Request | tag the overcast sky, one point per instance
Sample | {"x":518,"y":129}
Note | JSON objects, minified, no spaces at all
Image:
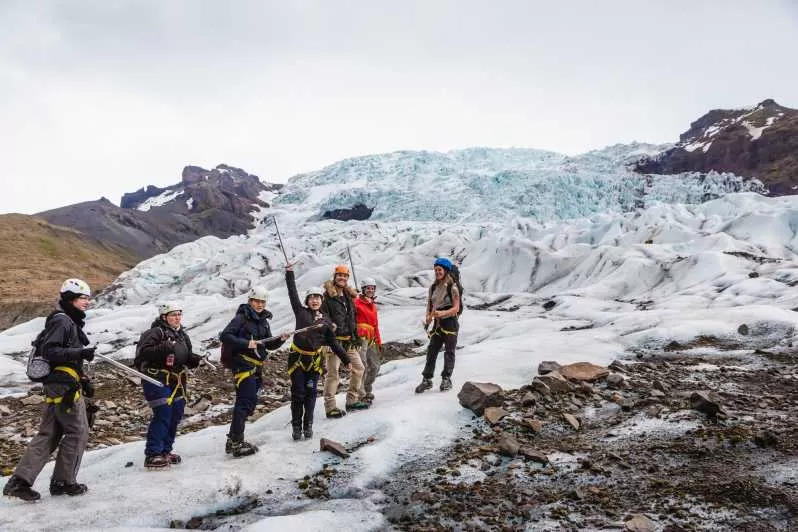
{"x":102,"y":97}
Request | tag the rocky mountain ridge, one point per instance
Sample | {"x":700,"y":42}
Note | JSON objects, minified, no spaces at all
{"x":759,"y":142}
{"x":153,"y":220}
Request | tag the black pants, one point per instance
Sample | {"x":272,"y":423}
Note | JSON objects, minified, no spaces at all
{"x":246,"y":400}
{"x":437,"y":340}
{"x":304,"y":385}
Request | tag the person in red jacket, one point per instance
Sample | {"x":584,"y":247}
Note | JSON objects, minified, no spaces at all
{"x":368,"y":330}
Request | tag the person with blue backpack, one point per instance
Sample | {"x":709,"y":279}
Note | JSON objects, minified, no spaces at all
{"x":64,"y":423}
{"x":244,"y":337}
{"x":444,"y":306}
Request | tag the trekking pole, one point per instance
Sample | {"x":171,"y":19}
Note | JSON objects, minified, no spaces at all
{"x":129,"y":369}
{"x":280,"y":238}
{"x":303,"y":329}
{"x":207,"y":362}
{"x":352,"y":264}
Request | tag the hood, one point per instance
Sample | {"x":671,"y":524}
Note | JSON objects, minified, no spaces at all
{"x":251,"y":315}
{"x":332,"y":291}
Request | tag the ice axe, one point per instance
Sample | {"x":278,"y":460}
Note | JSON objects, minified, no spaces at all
{"x":280,"y":239}
{"x":129,"y":369}
{"x":303,"y":329}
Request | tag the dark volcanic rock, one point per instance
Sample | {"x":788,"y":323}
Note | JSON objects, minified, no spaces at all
{"x":757,"y":143}
{"x":206,"y":202}
{"x":358,"y":212}
{"x":477,"y":396}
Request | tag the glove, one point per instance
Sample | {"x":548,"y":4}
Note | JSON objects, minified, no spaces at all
{"x":87,"y":353}
{"x":193,"y":361}
{"x":181,"y":350}
{"x":88,"y":388}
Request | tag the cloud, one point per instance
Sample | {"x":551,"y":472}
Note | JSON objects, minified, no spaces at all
{"x":100,"y":98}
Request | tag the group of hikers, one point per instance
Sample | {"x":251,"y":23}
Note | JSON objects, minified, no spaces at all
{"x":336,"y":326}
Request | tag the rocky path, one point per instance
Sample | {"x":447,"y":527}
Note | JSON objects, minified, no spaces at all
{"x":676,"y":442}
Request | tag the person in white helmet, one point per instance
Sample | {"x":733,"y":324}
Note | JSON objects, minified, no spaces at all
{"x":305,"y":358}
{"x":368,"y":330}
{"x":164,"y":352}
{"x":243,"y":337}
{"x":64,"y":423}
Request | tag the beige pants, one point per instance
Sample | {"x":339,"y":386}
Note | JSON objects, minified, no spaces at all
{"x":331,"y":380}
{"x":67,"y":432}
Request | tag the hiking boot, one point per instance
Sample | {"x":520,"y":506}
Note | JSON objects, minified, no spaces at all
{"x":336,"y":413}
{"x":173,"y":458}
{"x":16,"y":487}
{"x":357,"y":405}
{"x":368,"y":398}
{"x":296,"y":432}
{"x":242,"y":448}
{"x":157,"y":461}
{"x":426,"y":384}
{"x":307,"y":431}
{"x":446,"y":384}
{"x":59,"y":487}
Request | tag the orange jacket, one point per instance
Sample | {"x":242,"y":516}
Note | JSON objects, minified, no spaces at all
{"x":367,"y":323}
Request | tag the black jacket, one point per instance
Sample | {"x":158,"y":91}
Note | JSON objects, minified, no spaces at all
{"x":245,"y":326}
{"x":341,"y":309}
{"x":160,"y":341}
{"x":305,"y":317}
{"x":61,"y":343}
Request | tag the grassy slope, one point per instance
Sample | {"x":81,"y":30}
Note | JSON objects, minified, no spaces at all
{"x":36,"y":257}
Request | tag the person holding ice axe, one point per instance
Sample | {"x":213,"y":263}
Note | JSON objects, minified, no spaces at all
{"x":305,"y":358}
{"x":248,"y":337}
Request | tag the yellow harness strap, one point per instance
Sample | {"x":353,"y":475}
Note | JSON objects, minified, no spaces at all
{"x":178,"y":375}
{"x":253,"y":361}
{"x":72,"y":373}
{"x":440,"y":329}
{"x":313,"y":360}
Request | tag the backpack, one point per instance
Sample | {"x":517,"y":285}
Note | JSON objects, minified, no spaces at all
{"x":226,"y":358}
{"x":455,"y":273}
{"x":38,"y":367}
{"x":228,"y":354}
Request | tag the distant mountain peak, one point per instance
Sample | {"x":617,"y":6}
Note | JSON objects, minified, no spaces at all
{"x":754,"y":142}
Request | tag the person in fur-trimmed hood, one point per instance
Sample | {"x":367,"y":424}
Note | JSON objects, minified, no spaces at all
{"x":339,"y":305}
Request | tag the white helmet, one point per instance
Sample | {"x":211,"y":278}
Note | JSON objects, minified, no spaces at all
{"x":368,"y":281}
{"x":314,"y":291}
{"x":76,"y":286}
{"x":167,"y":307}
{"x":260,"y":293}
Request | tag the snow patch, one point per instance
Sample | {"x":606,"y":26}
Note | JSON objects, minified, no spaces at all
{"x":161,"y":199}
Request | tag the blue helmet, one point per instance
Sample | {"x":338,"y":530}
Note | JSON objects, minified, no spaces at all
{"x":444,"y":263}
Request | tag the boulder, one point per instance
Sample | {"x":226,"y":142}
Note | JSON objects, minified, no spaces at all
{"x":572,"y":420}
{"x":547,"y":366}
{"x":640,"y":523}
{"x":333,"y":447}
{"x":706,"y":402}
{"x":584,"y":371}
{"x":508,"y":445}
{"x":477,"y":396}
{"x":494,"y":414}
{"x":554,"y":381}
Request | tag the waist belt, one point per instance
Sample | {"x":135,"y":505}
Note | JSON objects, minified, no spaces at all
{"x":179,"y":377}
{"x":441,"y":330}
{"x":69,"y":397}
{"x":310,"y":362}
{"x":241,"y":375}
{"x":371,"y":337}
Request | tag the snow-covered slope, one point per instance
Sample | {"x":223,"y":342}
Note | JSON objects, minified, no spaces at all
{"x":640,"y":279}
{"x":482,"y":184}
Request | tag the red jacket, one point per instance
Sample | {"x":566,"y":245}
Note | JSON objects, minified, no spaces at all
{"x":366,"y":316}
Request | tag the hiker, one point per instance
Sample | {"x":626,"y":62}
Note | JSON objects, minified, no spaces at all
{"x":64,"y":424}
{"x":245,"y":335}
{"x":368,"y":330}
{"x":443,"y":306}
{"x":164,"y":352}
{"x":305,"y":357}
{"x":339,"y":305}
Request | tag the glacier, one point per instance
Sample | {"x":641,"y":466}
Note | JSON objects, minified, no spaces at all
{"x":660,"y":265}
